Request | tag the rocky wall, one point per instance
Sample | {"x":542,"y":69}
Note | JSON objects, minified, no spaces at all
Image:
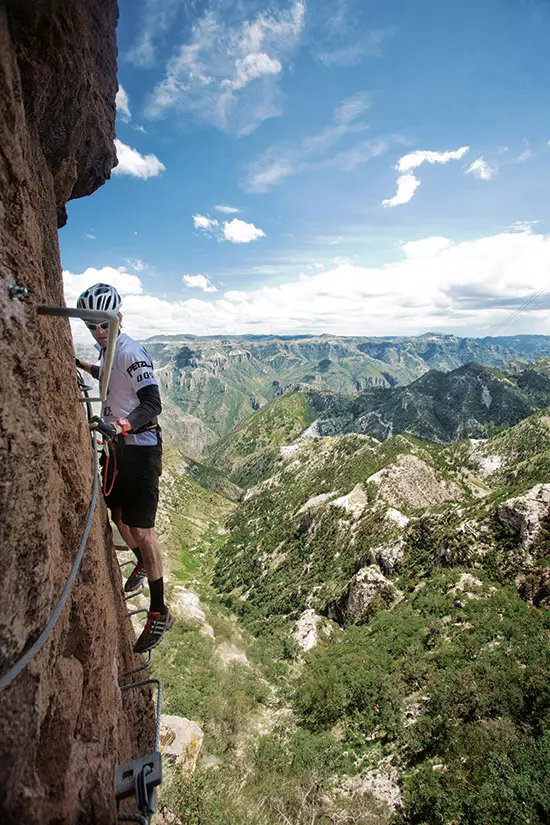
{"x":64,"y":725}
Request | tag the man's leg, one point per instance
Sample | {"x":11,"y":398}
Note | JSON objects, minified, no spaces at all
{"x":159,"y":619}
{"x":146,"y":540}
{"x":126,"y":533}
{"x":137,"y":576}
{"x":143,"y":466}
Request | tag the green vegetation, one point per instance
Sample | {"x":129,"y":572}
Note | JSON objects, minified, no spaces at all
{"x":472,"y":401}
{"x":446,"y":694}
{"x":187,"y":510}
{"x":474,"y":674}
{"x":251,"y":450}
{"x":283,"y":558}
{"x":199,"y":685}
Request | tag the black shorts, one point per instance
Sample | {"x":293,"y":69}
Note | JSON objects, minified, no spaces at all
{"x":136,"y":486}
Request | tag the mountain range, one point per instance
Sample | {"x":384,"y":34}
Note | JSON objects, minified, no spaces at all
{"x":211,"y":384}
{"x":470,"y":402}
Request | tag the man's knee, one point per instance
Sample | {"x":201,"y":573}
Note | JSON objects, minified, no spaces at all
{"x":145,"y":534}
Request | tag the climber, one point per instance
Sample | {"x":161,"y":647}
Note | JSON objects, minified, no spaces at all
{"x":129,"y":418}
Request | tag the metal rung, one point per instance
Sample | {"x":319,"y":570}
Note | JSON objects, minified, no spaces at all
{"x":126,"y":563}
{"x":94,"y":315}
{"x":135,"y":612}
{"x":141,"y":667}
{"x":144,"y":820}
{"x":134,"y":593}
{"x":143,"y":683}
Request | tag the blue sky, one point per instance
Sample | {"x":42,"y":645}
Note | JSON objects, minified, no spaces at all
{"x":387,"y":164}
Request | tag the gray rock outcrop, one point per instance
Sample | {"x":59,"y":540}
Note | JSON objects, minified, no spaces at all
{"x":305,"y":632}
{"x":525,"y":513}
{"x":388,"y":556}
{"x":369,"y":590}
{"x":181,"y":741}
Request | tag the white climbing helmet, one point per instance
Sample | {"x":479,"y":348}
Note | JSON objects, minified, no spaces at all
{"x":100,"y":296}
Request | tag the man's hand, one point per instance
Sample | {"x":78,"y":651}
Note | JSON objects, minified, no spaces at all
{"x":83,"y":365}
{"x":107,"y":429}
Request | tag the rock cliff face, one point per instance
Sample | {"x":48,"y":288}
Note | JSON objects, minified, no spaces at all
{"x":64,"y":724}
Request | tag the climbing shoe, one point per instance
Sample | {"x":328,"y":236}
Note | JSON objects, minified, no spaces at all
{"x":155,"y":628}
{"x":136,"y":578}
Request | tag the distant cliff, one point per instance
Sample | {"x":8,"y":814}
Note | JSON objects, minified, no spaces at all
{"x":64,"y":725}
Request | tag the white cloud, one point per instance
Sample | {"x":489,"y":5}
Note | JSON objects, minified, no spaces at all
{"x":142,"y":54}
{"x":426,"y":247}
{"x":435,"y":285}
{"x":367,"y":43}
{"x":362,"y":152}
{"x":280,"y":161}
{"x":139,"y":266}
{"x":522,"y":226}
{"x":123,"y":281}
{"x":91,"y":237}
{"x":238,"y":231}
{"x":202,"y":222}
{"x":227,"y":75}
{"x":481,"y":169}
{"x":199,"y":282}
{"x":269,"y":170}
{"x":252,"y":67}
{"x":407,"y":184}
{"x":351,"y":109}
{"x":131,"y":162}
{"x":415,"y":159}
{"x":157,"y":18}
{"x":229,"y":210}
{"x":406,"y":187}
{"x":340,"y":35}
{"x":526,"y":155}
{"x":123,"y":104}
{"x":235,"y":231}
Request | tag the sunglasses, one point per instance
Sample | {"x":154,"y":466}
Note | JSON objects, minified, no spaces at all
{"x":93,"y":327}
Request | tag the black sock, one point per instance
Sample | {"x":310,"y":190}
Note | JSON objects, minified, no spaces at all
{"x":156,"y":591}
{"x":137,"y":553}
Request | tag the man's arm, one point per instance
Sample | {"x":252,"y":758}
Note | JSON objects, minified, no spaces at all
{"x":146,"y":412}
{"x":149,"y":407}
{"x":93,"y":369}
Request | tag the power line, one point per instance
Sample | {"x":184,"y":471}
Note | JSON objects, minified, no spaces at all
{"x":529,"y":304}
